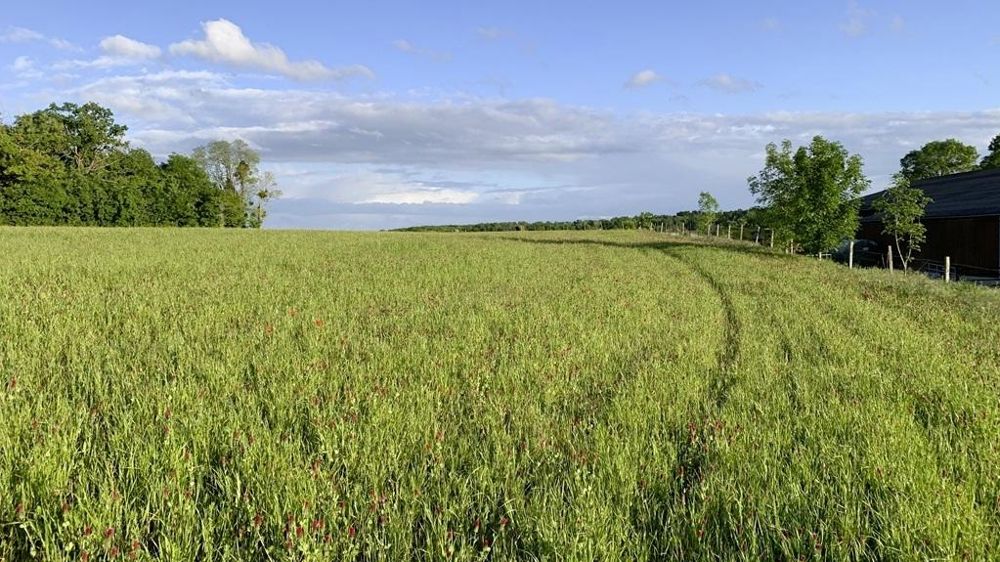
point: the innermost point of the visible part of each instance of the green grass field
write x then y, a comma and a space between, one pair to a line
234, 395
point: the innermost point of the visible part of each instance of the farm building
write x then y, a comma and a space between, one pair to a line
963, 222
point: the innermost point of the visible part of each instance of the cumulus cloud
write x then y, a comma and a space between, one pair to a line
642, 79
729, 84
225, 43
14, 34
125, 47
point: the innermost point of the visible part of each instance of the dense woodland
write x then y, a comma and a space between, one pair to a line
71, 165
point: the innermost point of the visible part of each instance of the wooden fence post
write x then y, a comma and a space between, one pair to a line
891, 268
850, 256
756, 239
741, 232
947, 269
772, 237
729, 232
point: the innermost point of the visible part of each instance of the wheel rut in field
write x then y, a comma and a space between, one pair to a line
673, 506
664, 514
724, 376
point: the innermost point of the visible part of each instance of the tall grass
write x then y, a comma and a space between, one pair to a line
224, 395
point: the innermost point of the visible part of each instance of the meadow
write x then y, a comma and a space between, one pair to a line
247, 395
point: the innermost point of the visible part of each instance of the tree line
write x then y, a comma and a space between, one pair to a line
70, 164
688, 220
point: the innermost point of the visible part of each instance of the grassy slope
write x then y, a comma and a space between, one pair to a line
579, 396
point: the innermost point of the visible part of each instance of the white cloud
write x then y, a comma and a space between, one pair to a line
731, 84
101, 63
424, 197
25, 69
63, 44
857, 20
127, 48
225, 43
14, 34
154, 97
492, 33
642, 79
22, 64
20, 35
405, 46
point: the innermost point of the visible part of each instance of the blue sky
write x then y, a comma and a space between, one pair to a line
385, 114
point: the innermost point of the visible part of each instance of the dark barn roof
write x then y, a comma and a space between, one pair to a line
972, 194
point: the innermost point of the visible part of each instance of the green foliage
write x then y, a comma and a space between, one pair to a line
87, 135
230, 164
69, 164
234, 167
811, 195
209, 395
901, 208
645, 220
708, 210
992, 158
938, 158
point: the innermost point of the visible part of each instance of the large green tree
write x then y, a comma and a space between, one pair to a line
230, 164
234, 166
32, 178
84, 136
939, 158
810, 194
196, 200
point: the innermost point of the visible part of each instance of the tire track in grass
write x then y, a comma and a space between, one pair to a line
724, 376
672, 508
667, 518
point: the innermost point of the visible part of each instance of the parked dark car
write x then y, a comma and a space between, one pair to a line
867, 253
